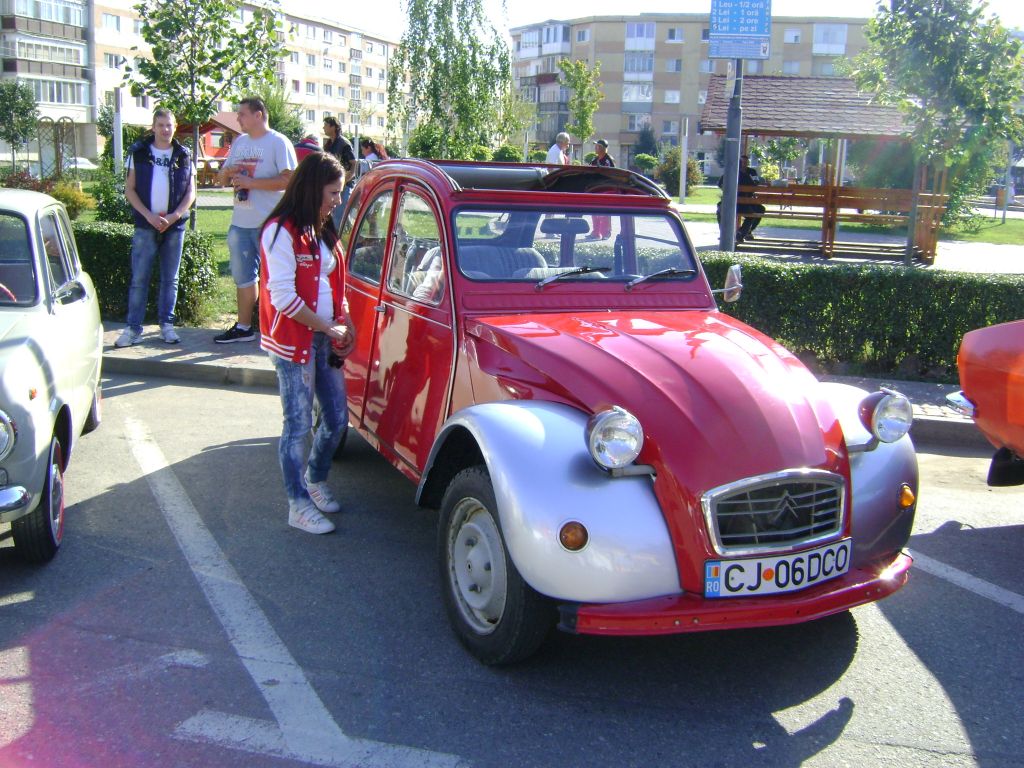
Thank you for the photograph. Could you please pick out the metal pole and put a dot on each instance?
(118, 136)
(1009, 180)
(684, 153)
(733, 132)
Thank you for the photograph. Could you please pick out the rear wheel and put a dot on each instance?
(495, 613)
(38, 535)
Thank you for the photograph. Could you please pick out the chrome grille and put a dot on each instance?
(776, 512)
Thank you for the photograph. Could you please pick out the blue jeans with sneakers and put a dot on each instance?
(297, 383)
(148, 245)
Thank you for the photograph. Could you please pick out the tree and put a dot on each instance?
(201, 55)
(956, 76)
(585, 96)
(457, 70)
(778, 151)
(645, 143)
(19, 115)
(283, 116)
(645, 162)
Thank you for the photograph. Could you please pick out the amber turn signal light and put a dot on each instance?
(907, 497)
(573, 536)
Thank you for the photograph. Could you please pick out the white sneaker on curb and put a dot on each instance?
(307, 518)
(322, 496)
(169, 335)
(127, 338)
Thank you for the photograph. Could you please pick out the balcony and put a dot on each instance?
(355, 79)
(553, 106)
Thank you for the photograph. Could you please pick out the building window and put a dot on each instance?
(108, 98)
(380, 97)
(341, 67)
(637, 122)
(137, 26)
(295, 86)
(556, 34)
(110, 60)
(368, 47)
(357, 69)
(702, 96)
(753, 66)
(637, 92)
(674, 65)
(112, 22)
(142, 102)
(829, 40)
(823, 67)
(369, 72)
(341, 95)
(61, 54)
(671, 97)
(310, 60)
(707, 66)
(328, 63)
(311, 89)
(705, 34)
(310, 115)
(640, 35)
(791, 36)
(639, 63)
(311, 32)
(674, 35)
(326, 114)
(582, 35)
(357, 94)
(670, 127)
(294, 57)
(791, 67)
(328, 37)
(59, 92)
(328, 89)
(380, 122)
(342, 41)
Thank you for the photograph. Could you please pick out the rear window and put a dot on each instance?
(17, 272)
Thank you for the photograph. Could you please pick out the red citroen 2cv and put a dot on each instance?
(608, 451)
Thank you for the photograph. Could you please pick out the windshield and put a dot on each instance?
(17, 278)
(536, 246)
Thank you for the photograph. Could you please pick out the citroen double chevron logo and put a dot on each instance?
(785, 513)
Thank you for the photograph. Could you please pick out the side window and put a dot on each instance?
(53, 245)
(417, 267)
(70, 247)
(367, 258)
(349, 223)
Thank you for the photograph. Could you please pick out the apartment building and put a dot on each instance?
(73, 55)
(655, 69)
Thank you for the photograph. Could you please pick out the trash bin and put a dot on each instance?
(1000, 196)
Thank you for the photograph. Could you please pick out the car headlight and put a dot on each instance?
(8, 434)
(614, 438)
(888, 415)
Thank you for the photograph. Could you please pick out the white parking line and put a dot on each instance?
(305, 729)
(1004, 597)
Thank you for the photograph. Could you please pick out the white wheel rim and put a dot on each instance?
(476, 566)
(56, 498)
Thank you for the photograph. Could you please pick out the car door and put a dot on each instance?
(70, 342)
(409, 379)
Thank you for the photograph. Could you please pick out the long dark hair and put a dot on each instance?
(373, 146)
(304, 195)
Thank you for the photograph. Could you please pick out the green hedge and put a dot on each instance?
(884, 319)
(105, 249)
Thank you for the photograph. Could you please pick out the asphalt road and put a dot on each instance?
(184, 624)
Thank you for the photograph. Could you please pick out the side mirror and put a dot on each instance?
(70, 292)
(733, 285)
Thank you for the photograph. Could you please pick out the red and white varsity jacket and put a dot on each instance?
(280, 334)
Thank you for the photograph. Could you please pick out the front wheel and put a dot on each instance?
(38, 535)
(496, 615)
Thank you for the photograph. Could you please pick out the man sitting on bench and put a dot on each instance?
(749, 213)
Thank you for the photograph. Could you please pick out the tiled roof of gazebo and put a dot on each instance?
(786, 105)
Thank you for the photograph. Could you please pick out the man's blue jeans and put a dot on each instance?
(297, 383)
(147, 246)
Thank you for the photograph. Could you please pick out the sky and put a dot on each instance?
(388, 19)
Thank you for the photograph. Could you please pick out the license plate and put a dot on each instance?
(775, 574)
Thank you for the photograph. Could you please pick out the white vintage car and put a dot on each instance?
(50, 353)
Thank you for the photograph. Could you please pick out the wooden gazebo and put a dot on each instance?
(830, 108)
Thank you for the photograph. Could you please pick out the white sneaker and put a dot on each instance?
(127, 338)
(307, 518)
(169, 335)
(322, 496)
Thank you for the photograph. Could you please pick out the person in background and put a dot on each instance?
(602, 229)
(308, 145)
(339, 146)
(307, 332)
(559, 152)
(750, 213)
(371, 150)
(258, 166)
(161, 187)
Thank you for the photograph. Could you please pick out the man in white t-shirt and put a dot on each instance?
(259, 165)
(161, 187)
(559, 152)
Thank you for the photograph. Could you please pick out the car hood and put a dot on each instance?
(718, 401)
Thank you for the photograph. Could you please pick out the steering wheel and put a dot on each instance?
(7, 291)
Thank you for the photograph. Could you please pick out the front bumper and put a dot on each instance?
(693, 613)
(14, 502)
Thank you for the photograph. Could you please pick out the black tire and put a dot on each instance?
(38, 535)
(92, 421)
(340, 450)
(496, 615)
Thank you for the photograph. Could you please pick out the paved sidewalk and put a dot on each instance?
(199, 358)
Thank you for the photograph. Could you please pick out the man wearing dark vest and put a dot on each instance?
(160, 188)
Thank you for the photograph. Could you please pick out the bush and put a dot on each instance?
(645, 162)
(25, 180)
(74, 199)
(480, 153)
(508, 153)
(111, 204)
(105, 249)
(589, 158)
(538, 155)
(882, 319)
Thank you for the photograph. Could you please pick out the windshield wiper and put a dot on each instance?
(667, 272)
(578, 271)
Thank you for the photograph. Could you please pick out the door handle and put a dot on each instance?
(381, 308)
